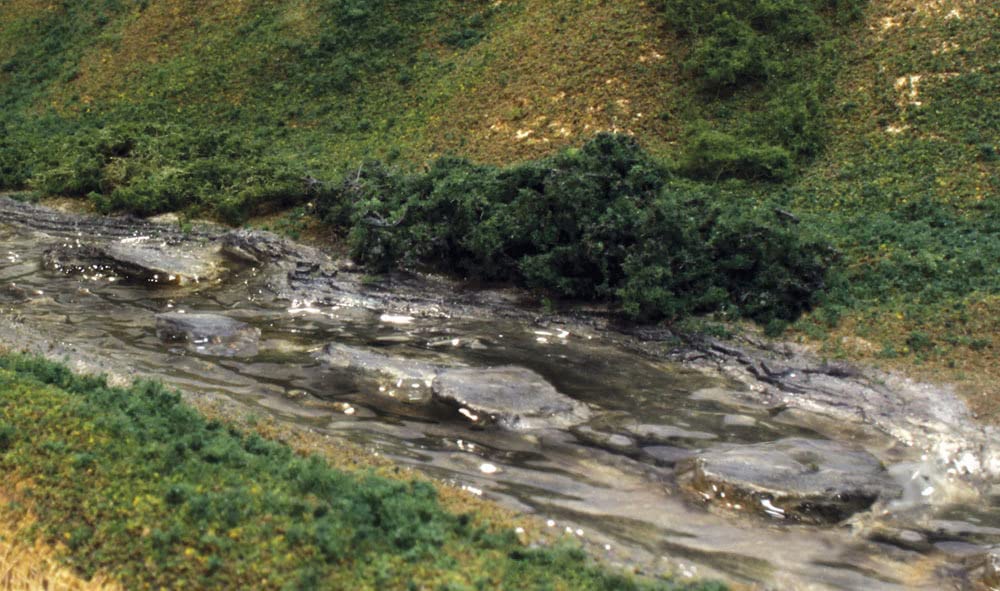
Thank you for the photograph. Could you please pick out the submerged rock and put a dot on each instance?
(668, 455)
(209, 334)
(139, 260)
(805, 480)
(513, 397)
(665, 433)
(611, 441)
(405, 380)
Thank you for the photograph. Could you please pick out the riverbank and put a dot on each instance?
(132, 484)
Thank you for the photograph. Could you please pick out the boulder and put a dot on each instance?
(209, 334)
(667, 455)
(611, 441)
(665, 433)
(512, 397)
(405, 380)
(812, 481)
(139, 260)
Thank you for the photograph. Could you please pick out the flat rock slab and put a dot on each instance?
(405, 380)
(138, 260)
(665, 433)
(209, 334)
(512, 397)
(813, 481)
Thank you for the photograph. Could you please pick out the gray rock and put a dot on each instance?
(209, 334)
(668, 455)
(611, 441)
(738, 421)
(405, 380)
(806, 480)
(143, 261)
(665, 433)
(513, 397)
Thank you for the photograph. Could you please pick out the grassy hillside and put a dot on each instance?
(868, 126)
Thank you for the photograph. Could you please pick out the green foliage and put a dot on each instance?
(597, 223)
(714, 155)
(780, 53)
(138, 485)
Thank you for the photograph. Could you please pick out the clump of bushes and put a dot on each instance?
(745, 53)
(151, 168)
(604, 222)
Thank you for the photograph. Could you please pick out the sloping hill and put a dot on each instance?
(876, 125)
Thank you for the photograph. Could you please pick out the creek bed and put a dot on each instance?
(617, 477)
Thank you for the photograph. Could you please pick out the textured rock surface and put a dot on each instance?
(513, 397)
(209, 334)
(808, 480)
(139, 260)
(406, 380)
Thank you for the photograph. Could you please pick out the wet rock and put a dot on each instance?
(665, 433)
(738, 421)
(405, 380)
(610, 441)
(513, 397)
(805, 480)
(209, 334)
(139, 260)
(668, 455)
(931, 417)
(258, 247)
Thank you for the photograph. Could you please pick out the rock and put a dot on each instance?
(209, 334)
(665, 433)
(405, 380)
(139, 260)
(513, 397)
(258, 247)
(668, 455)
(611, 441)
(738, 421)
(805, 480)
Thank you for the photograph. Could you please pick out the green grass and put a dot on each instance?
(132, 483)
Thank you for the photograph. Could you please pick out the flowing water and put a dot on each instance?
(625, 504)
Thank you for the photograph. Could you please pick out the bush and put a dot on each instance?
(714, 155)
(597, 223)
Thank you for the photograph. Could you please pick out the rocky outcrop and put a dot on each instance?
(512, 397)
(139, 260)
(209, 334)
(932, 418)
(806, 480)
(405, 380)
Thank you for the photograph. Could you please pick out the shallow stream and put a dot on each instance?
(624, 502)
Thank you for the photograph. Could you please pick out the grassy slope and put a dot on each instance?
(916, 121)
(912, 122)
(133, 484)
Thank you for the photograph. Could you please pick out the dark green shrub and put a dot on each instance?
(7, 433)
(734, 54)
(597, 223)
(712, 155)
